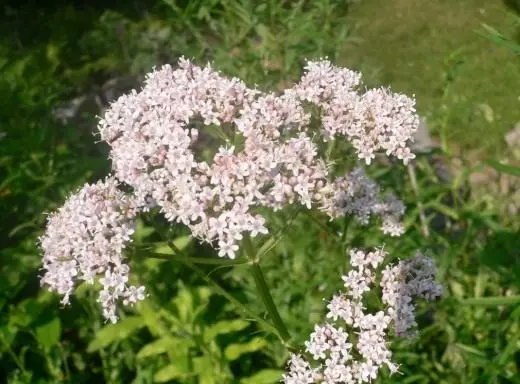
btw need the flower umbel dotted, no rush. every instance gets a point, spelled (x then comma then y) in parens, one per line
(271, 159)
(353, 345)
(85, 240)
(153, 136)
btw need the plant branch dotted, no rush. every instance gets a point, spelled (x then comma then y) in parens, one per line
(415, 187)
(219, 289)
(264, 292)
(191, 259)
(185, 259)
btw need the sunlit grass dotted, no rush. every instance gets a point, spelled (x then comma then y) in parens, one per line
(431, 48)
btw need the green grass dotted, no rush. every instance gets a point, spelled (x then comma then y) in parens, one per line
(431, 49)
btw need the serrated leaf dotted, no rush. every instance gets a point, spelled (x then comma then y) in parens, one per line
(48, 335)
(116, 332)
(265, 376)
(223, 327)
(234, 351)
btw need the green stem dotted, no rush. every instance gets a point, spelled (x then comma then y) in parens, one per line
(195, 260)
(13, 355)
(264, 292)
(345, 229)
(278, 327)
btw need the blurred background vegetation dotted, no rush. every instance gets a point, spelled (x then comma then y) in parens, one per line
(62, 62)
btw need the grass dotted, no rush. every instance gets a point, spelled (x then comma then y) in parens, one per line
(431, 48)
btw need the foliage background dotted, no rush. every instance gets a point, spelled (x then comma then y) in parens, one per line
(466, 86)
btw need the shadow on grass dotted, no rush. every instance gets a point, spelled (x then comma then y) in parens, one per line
(502, 254)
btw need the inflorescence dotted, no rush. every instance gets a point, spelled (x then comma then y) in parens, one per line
(352, 346)
(272, 160)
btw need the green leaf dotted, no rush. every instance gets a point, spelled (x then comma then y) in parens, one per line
(7, 334)
(470, 349)
(265, 376)
(504, 168)
(116, 332)
(444, 209)
(168, 373)
(142, 231)
(203, 366)
(48, 335)
(180, 242)
(223, 327)
(492, 301)
(234, 351)
(498, 38)
(158, 347)
(152, 319)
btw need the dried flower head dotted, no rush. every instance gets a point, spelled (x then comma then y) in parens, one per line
(353, 345)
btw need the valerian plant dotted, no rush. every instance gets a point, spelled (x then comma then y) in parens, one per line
(272, 157)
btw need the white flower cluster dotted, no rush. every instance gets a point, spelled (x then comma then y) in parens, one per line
(154, 146)
(152, 134)
(375, 120)
(353, 346)
(85, 239)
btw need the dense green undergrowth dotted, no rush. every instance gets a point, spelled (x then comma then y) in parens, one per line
(185, 331)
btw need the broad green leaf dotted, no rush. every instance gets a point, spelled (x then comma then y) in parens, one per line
(82, 290)
(234, 351)
(223, 327)
(504, 168)
(265, 376)
(116, 332)
(158, 347)
(492, 301)
(48, 335)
